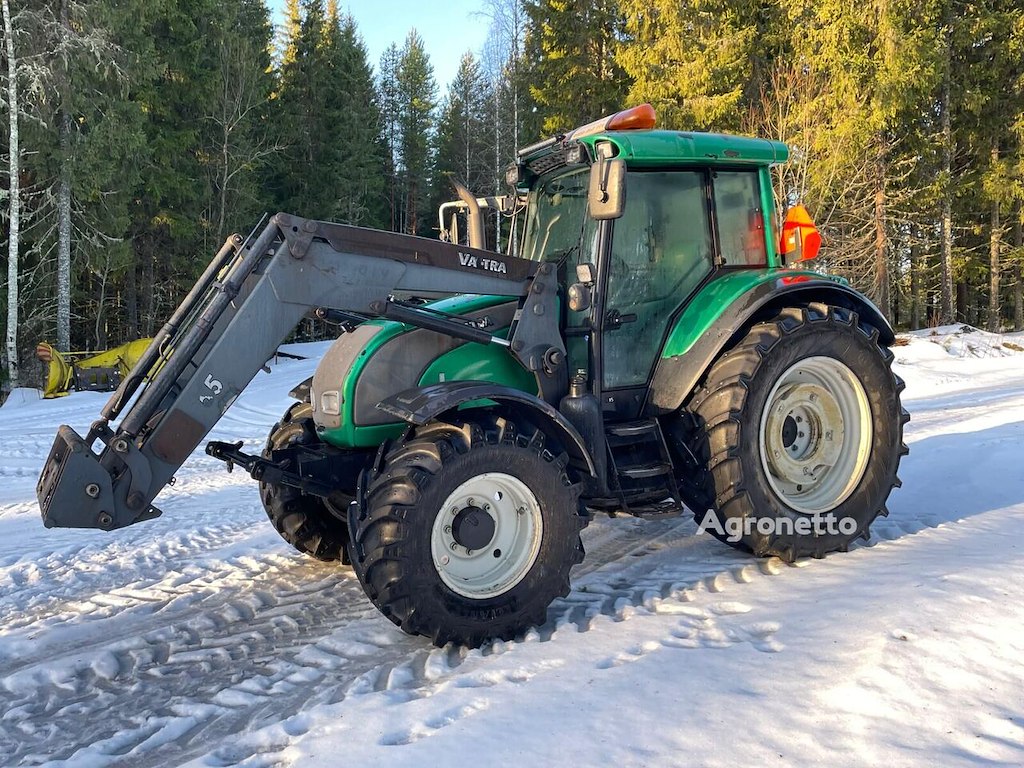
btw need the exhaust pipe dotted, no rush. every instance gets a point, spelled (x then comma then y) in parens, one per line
(476, 221)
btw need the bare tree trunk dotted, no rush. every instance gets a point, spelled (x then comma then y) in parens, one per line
(64, 201)
(946, 250)
(225, 179)
(64, 258)
(881, 244)
(498, 178)
(963, 307)
(915, 287)
(131, 301)
(411, 222)
(14, 170)
(1018, 289)
(100, 293)
(148, 286)
(994, 246)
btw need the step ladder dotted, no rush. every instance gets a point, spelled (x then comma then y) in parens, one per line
(641, 469)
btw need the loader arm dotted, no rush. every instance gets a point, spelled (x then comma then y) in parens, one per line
(250, 298)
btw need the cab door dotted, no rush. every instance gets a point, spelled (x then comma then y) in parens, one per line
(662, 249)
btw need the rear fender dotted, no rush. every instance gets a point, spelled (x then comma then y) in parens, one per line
(422, 404)
(695, 342)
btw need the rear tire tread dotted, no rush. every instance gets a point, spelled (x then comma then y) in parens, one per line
(719, 407)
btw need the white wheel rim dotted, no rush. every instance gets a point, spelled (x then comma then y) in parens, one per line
(508, 555)
(815, 435)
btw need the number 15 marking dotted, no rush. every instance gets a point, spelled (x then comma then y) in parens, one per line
(214, 386)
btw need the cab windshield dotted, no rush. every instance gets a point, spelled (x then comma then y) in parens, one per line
(555, 216)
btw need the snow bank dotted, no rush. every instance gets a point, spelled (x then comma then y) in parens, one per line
(963, 341)
(956, 359)
(21, 396)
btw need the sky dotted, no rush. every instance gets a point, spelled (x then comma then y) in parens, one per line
(448, 28)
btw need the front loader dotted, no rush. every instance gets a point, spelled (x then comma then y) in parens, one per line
(641, 354)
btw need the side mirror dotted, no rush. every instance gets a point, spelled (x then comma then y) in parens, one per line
(606, 196)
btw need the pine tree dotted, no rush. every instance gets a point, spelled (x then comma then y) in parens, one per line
(108, 156)
(167, 230)
(871, 59)
(700, 64)
(464, 134)
(463, 128)
(388, 98)
(304, 185)
(417, 99)
(357, 148)
(994, 68)
(290, 32)
(571, 64)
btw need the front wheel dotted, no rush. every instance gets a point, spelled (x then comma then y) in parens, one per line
(800, 434)
(304, 521)
(467, 531)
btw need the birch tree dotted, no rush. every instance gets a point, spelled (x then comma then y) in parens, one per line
(240, 144)
(14, 199)
(502, 61)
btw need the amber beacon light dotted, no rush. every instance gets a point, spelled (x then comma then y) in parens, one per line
(638, 118)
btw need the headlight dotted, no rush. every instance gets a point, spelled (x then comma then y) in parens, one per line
(330, 403)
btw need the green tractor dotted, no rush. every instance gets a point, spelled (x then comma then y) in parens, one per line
(650, 345)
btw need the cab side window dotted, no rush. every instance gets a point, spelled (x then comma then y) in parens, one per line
(740, 217)
(661, 250)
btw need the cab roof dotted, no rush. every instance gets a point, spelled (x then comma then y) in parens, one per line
(660, 147)
(653, 148)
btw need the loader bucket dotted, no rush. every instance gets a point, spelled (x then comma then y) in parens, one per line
(76, 490)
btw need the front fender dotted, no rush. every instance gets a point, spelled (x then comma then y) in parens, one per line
(723, 311)
(419, 405)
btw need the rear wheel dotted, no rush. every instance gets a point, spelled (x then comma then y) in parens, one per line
(799, 434)
(304, 521)
(467, 530)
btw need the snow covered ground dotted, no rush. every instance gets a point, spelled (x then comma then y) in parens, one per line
(200, 638)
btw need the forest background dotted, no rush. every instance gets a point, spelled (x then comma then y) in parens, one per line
(140, 133)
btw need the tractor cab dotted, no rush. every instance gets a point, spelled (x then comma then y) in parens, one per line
(640, 219)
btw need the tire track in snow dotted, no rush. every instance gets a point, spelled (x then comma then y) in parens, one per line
(60, 586)
(652, 577)
(235, 645)
(215, 648)
(238, 643)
